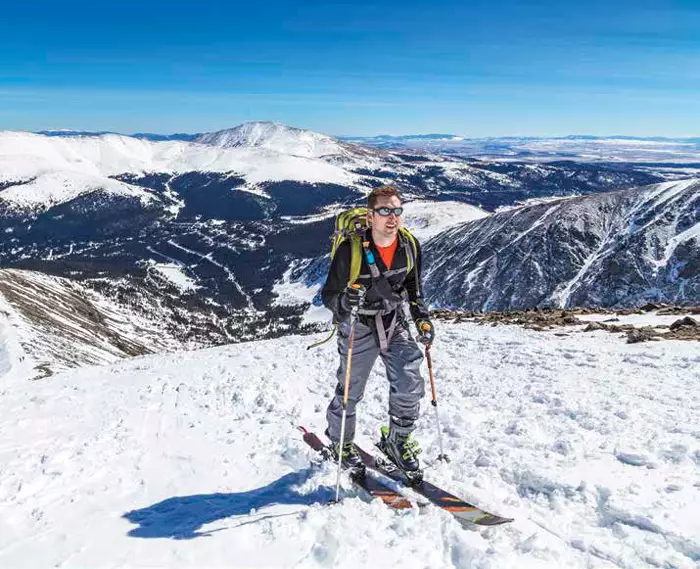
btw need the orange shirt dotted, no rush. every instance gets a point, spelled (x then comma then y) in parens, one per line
(387, 253)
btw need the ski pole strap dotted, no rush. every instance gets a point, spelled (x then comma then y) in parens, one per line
(321, 342)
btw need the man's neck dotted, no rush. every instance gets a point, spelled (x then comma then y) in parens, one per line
(382, 241)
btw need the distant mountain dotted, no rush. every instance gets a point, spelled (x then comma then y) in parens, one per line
(70, 133)
(277, 137)
(580, 147)
(583, 148)
(388, 140)
(164, 137)
(616, 249)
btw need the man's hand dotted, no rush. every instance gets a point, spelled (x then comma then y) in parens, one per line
(426, 331)
(352, 297)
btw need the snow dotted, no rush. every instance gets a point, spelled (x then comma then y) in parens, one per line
(533, 201)
(24, 156)
(425, 219)
(690, 233)
(289, 293)
(175, 273)
(54, 188)
(208, 257)
(275, 136)
(575, 436)
(14, 362)
(646, 319)
(56, 324)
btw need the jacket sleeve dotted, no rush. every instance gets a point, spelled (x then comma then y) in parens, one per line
(337, 281)
(415, 290)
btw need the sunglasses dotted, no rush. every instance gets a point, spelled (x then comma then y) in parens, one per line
(387, 211)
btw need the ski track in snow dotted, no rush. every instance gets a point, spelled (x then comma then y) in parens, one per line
(590, 443)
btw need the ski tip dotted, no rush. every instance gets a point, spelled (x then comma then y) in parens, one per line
(303, 430)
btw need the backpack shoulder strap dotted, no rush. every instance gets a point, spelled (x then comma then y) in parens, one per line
(355, 258)
(411, 248)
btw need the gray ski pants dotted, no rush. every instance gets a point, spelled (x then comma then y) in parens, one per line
(402, 362)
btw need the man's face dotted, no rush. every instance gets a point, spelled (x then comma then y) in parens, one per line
(385, 226)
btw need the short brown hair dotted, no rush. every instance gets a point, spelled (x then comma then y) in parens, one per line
(385, 191)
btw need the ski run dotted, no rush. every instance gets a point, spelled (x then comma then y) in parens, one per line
(194, 459)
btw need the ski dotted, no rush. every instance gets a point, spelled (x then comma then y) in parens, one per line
(464, 512)
(367, 483)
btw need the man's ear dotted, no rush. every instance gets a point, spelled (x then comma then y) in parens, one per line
(369, 218)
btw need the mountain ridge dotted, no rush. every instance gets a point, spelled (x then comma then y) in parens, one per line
(617, 249)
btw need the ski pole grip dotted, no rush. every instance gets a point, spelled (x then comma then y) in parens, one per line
(354, 310)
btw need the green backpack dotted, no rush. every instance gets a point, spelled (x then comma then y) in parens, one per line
(351, 225)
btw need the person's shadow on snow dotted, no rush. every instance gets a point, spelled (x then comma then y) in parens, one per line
(181, 517)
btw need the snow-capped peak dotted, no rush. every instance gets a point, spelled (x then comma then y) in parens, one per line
(274, 136)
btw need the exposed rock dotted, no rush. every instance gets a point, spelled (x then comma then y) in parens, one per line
(672, 310)
(641, 335)
(684, 333)
(544, 319)
(683, 322)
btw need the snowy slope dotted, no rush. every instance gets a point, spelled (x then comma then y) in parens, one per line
(24, 156)
(277, 137)
(614, 249)
(53, 188)
(57, 324)
(15, 364)
(574, 436)
(425, 219)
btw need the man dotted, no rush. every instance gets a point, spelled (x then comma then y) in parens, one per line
(389, 278)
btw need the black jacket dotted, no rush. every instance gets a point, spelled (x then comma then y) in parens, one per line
(396, 276)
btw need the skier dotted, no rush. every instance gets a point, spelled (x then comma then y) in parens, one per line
(389, 278)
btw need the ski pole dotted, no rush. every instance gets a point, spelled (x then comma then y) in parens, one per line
(442, 456)
(351, 341)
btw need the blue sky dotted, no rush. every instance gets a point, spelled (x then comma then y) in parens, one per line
(354, 67)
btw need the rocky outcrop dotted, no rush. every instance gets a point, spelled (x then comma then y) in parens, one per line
(554, 320)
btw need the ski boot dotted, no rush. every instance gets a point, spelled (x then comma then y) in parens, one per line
(403, 452)
(351, 459)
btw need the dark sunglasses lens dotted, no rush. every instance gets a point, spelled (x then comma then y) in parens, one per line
(386, 211)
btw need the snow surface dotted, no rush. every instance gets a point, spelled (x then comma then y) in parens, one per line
(56, 324)
(646, 319)
(425, 219)
(590, 443)
(289, 293)
(275, 136)
(176, 273)
(53, 188)
(24, 156)
(15, 365)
